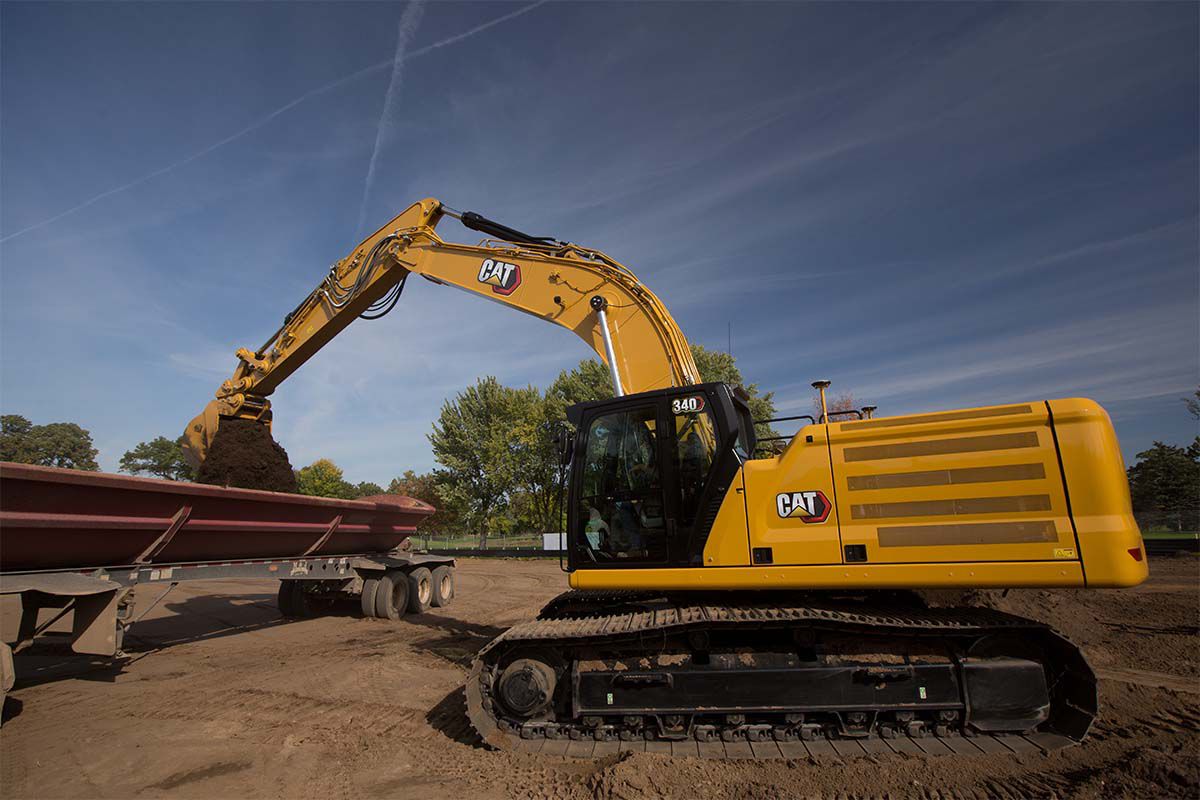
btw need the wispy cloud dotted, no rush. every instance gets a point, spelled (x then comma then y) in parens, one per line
(269, 117)
(931, 207)
(409, 21)
(1103, 356)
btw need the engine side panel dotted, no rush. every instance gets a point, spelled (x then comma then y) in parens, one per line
(968, 485)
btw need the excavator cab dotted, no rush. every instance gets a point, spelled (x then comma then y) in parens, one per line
(648, 473)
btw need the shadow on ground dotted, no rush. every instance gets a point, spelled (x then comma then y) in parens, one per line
(449, 718)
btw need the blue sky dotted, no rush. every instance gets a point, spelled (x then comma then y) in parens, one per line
(933, 206)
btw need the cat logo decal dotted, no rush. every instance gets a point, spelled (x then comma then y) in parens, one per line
(809, 507)
(503, 277)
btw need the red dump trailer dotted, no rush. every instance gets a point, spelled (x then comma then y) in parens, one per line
(79, 542)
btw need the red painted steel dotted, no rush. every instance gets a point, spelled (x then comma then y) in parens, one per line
(66, 519)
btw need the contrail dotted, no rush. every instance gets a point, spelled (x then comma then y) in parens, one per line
(408, 26)
(261, 121)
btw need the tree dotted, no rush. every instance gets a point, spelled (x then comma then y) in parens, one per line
(160, 457)
(496, 444)
(473, 439)
(57, 444)
(537, 469)
(843, 401)
(421, 487)
(424, 487)
(1163, 485)
(1193, 404)
(323, 478)
(15, 444)
(367, 488)
(591, 381)
(717, 366)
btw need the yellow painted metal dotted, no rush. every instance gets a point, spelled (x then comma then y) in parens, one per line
(1099, 493)
(837, 576)
(556, 283)
(802, 467)
(732, 546)
(957, 499)
(960, 513)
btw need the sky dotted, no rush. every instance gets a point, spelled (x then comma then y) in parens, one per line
(933, 206)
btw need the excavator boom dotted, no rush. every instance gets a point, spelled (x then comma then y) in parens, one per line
(583, 290)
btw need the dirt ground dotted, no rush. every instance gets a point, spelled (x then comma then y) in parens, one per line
(222, 698)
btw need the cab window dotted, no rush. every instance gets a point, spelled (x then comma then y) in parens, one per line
(695, 449)
(621, 514)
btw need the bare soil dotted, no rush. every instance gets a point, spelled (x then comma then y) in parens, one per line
(222, 698)
(244, 455)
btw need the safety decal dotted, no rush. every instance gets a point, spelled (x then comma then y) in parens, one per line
(809, 507)
(503, 277)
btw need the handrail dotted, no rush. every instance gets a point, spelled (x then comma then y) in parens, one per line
(784, 419)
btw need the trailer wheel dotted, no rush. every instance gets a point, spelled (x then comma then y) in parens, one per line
(420, 590)
(303, 603)
(286, 599)
(443, 586)
(367, 598)
(391, 598)
(8, 675)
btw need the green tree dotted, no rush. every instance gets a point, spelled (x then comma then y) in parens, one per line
(717, 366)
(1193, 404)
(424, 487)
(160, 457)
(591, 381)
(367, 488)
(421, 487)
(538, 474)
(473, 439)
(15, 444)
(1164, 485)
(588, 381)
(323, 478)
(57, 444)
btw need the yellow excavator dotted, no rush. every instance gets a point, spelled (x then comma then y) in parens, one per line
(725, 604)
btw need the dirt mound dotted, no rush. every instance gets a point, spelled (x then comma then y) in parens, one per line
(1064, 610)
(244, 455)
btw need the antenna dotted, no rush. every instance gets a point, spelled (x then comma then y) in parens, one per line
(821, 386)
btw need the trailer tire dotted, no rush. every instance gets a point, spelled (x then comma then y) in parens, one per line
(367, 598)
(443, 586)
(8, 675)
(391, 597)
(420, 590)
(286, 599)
(302, 600)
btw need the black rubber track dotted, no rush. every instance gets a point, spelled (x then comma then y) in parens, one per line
(581, 618)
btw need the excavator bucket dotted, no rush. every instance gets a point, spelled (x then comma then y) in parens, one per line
(198, 435)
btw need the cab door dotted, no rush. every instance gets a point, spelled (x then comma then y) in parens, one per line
(704, 485)
(618, 498)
